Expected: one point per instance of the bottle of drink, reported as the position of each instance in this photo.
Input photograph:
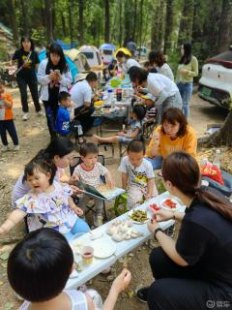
(109, 96)
(217, 158)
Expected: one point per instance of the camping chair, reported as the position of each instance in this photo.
(123, 146)
(75, 162)
(148, 128)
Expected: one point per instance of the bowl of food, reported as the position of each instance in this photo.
(170, 204)
(98, 104)
(153, 207)
(138, 216)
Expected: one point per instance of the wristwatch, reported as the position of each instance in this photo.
(156, 230)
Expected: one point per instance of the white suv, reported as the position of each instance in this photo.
(215, 84)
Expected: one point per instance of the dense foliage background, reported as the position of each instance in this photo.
(153, 23)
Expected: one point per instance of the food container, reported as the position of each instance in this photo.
(87, 255)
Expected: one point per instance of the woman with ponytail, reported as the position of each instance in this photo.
(195, 271)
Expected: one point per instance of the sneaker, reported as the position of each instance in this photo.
(142, 294)
(98, 221)
(16, 148)
(40, 113)
(25, 116)
(5, 148)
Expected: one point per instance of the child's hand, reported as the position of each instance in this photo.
(73, 179)
(76, 190)
(64, 178)
(110, 183)
(148, 196)
(122, 281)
(121, 133)
(78, 211)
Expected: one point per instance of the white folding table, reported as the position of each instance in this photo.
(122, 248)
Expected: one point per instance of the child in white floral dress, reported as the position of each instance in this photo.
(49, 200)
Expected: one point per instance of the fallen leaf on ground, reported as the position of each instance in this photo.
(4, 256)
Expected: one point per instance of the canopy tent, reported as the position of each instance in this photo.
(66, 46)
(79, 59)
(92, 54)
(107, 52)
(71, 64)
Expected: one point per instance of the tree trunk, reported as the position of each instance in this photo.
(13, 20)
(107, 21)
(63, 23)
(120, 23)
(70, 19)
(127, 21)
(221, 137)
(81, 21)
(25, 16)
(157, 37)
(135, 23)
(186, 24)
(49, 19)
(141, 22)
(169, 26)
(225, 33)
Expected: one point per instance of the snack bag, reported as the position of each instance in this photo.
(211, 171)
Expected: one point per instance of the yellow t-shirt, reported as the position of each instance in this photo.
(187, 143)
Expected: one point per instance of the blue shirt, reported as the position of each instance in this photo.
(62, 121)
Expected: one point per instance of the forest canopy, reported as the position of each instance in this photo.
(157, 24)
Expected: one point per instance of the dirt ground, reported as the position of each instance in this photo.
(33, 136)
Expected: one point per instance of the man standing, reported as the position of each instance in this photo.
(81, 95)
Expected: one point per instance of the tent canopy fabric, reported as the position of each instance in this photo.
(66, 46)
(107, 46)
(79, 59)
(92, 54)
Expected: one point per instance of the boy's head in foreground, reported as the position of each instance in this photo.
(39, 266)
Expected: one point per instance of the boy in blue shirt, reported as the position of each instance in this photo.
(64, 125)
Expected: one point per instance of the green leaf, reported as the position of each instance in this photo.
(8, 306)
(4, 256)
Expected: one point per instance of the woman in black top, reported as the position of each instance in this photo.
(194, 272)
(27, 60)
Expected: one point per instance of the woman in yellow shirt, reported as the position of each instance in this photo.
(173, 135)
(186, 71)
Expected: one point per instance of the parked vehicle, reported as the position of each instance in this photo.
(215, 84)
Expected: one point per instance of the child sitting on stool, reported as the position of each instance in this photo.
(90, 171)
(137, 175)
(64, 125)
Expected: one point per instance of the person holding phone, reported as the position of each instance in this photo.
(54, 77)
(27, 61)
